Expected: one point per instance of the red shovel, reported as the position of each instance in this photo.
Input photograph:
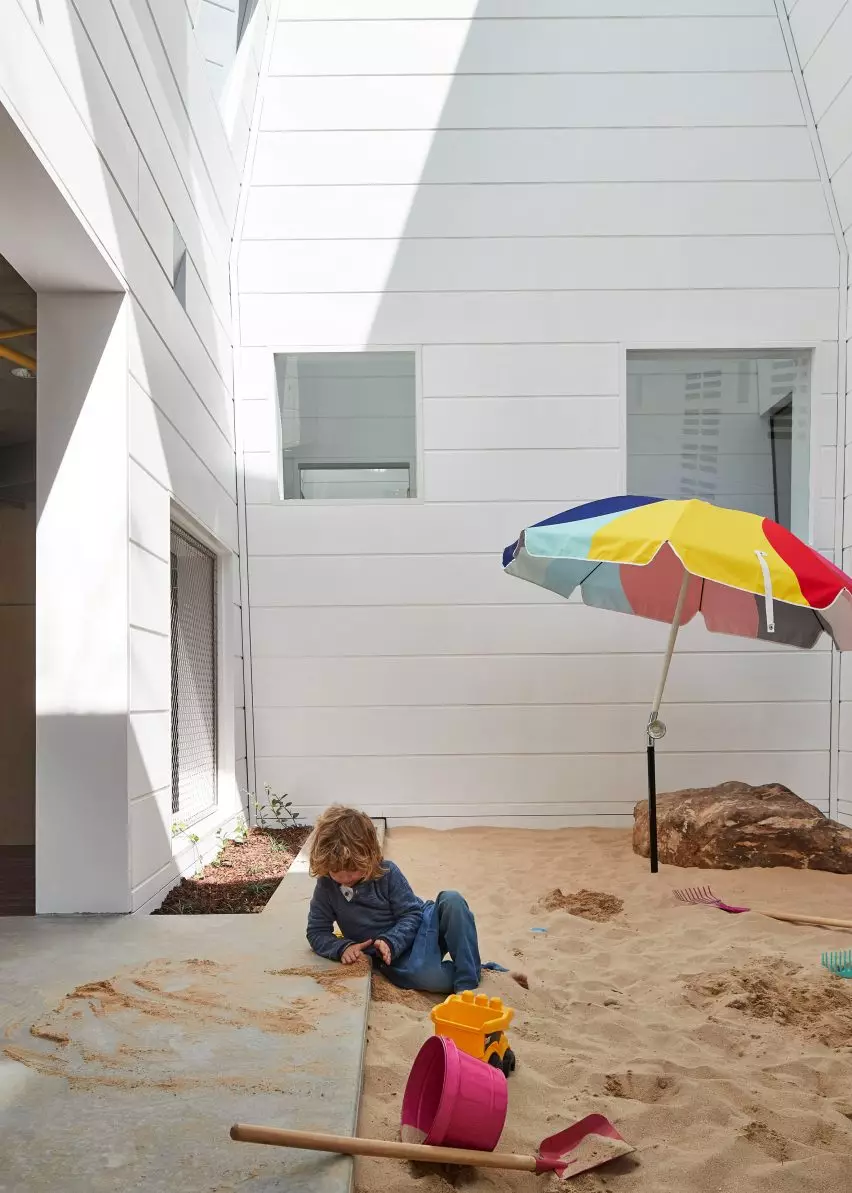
(587, 1144)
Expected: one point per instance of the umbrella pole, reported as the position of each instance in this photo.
(656, 728)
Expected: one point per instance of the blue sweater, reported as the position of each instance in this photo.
(383, 908)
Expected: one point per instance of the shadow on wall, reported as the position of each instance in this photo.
(103, 793)
(188, 436)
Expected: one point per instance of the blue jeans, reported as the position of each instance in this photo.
(447, 926)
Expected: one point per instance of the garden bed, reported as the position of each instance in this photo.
(243, 878)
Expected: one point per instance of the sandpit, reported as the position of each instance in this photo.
(716, 1043)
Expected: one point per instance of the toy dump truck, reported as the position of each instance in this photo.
(477, 1025)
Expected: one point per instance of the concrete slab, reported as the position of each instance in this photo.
(130, 1045)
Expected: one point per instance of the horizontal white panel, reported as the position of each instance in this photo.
(239, 733)
(158, 447)
(520, 370)
(635, 316)
(150, 835)
(563, 628)
(254, 374)
(829, 68)
(505, 781)
(580, 209)
(825, 420)
(810, 21)
(532, 101)
(150, 672)
(508, 679)
(834, 128)
(262, 477)
(149, 512)
(827, 472)
(521, 422)
(149, 753)
(822, 518)
(537, 263)
(556, 729)
(845, 723)
(533, 155)
(149, 591)
(519, 475)
(841, 185)
(519, 46)
(371, 10)
(387, 580)
(300, 529)
(204, 415)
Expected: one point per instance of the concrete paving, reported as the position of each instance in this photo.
(129, 1046)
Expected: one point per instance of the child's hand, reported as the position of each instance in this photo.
(352, 952)
(384, 951)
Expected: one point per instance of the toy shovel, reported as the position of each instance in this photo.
(587, 1144)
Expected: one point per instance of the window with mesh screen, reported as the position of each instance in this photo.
(194, 677)
(348, 425)
(732, 428)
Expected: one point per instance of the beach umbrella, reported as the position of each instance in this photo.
(670, 560)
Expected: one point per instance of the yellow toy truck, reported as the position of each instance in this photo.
(477, 1025)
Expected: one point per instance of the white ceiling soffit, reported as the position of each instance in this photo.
(40, 235)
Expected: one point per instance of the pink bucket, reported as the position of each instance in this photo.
(453, 1100)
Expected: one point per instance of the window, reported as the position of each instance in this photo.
(348, 425)
(244, 16)
(732, 428)
(179, 265)
(194, 677)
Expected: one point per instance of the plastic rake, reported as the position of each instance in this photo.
(838, 963)
(703, 895)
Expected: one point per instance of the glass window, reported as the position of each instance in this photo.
(348, 425)
(732, 428)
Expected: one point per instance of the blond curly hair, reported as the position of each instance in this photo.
(345, 839)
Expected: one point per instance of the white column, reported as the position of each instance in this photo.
(82, 605)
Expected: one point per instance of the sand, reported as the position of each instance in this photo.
(716, 1043)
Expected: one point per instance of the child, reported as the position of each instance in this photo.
(379, 914)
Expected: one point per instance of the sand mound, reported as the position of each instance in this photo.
(381, 990)
(819, 1006)
(591, 905)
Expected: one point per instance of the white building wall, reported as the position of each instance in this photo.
(115, 100)
(822, 30)
(521, 192)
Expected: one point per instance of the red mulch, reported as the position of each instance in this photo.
(242, 879)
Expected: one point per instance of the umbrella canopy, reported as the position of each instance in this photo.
(747, 575)
(670, 560)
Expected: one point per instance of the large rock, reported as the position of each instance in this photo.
(735, 825)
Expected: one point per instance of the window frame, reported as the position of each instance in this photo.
(226, 580)
(820, 361)
(351, 350)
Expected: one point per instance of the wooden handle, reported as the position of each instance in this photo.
(346, 1145)
(820, 921)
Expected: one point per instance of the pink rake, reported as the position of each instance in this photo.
(703, 894)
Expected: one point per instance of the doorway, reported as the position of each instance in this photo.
(17, 592)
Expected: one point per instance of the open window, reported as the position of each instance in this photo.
(348, 425)
(732, 428)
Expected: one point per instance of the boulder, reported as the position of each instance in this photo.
(736, 825)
